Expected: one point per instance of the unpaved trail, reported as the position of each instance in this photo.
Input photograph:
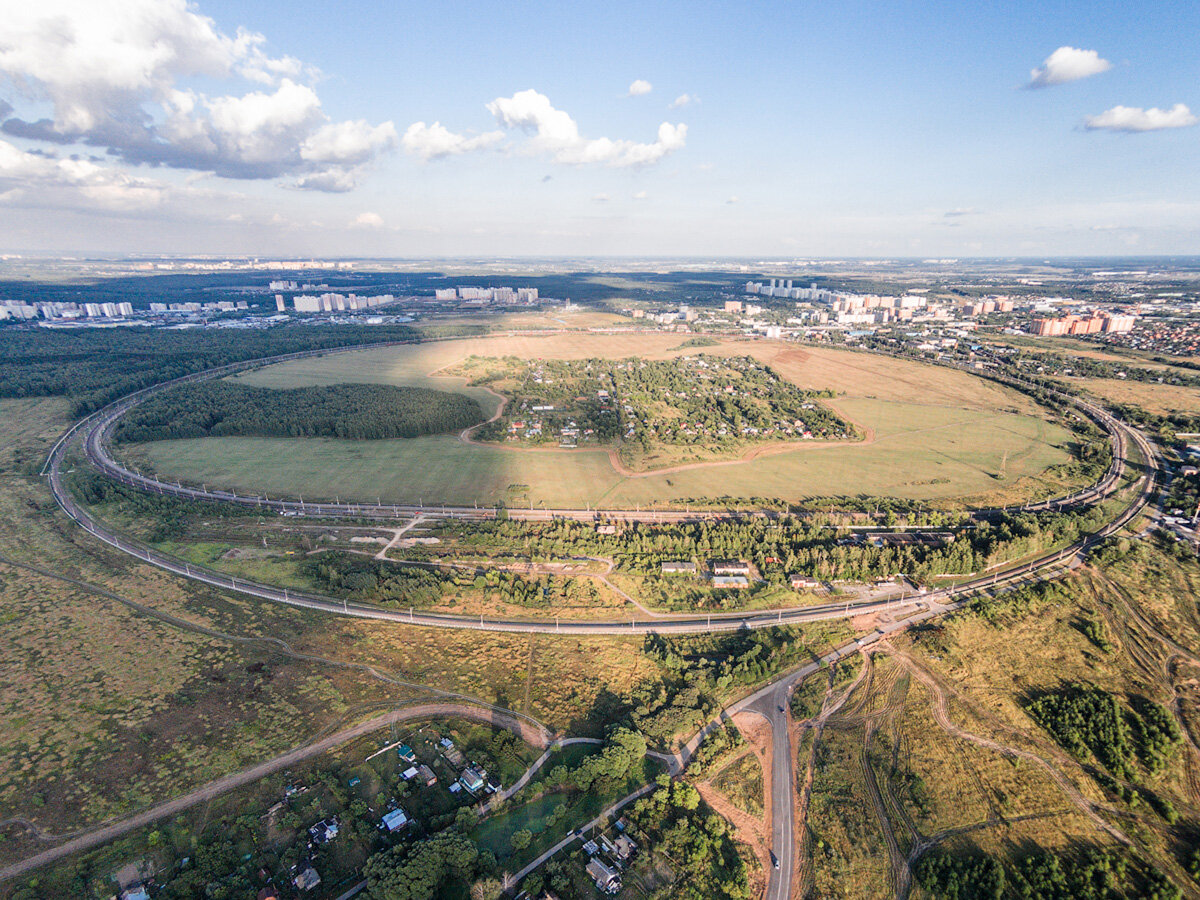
(749, 830)
(210, 791)
(397, 534)
(941, 715)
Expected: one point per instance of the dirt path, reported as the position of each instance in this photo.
(757, 733)
(397, 534)
(157, 813)
(900, 874)
(749, 830)
(941, 715)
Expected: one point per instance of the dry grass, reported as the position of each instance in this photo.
(937, 434)
(1160, 399)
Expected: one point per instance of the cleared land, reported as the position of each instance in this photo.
(932, 434)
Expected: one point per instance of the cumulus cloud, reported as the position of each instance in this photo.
(1136, 119)
(640, 87)
(1067, 64)
(600, 198)
(960, 211)
(734, 199)
(682, 100)
(116, 74)
(81, 181)
(368, 220)
(436, 141)
(555, 133)
(641, 195)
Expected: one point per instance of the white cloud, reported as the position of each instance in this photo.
(1136, 119)
(600, 198)
(348, 143)
(80, 182)
(1067, 64)
(556, 133)
(640, 87)
(682, 100)
(641, 195)
(116, 74)
(367, 220)
(436, 141)
(734, 199)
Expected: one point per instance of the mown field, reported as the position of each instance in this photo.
(932, 434)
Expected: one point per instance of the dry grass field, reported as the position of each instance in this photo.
(104, 708)
(932, 434)
(934, 746)
(1160, 399)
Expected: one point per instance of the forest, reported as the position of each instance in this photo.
(350, 411)
(94, 366)
(1092, 874)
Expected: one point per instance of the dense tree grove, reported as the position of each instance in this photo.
(350, 575)
(424, 870)
(94, 366)
(352, 411)
(699, 843)
(697, 671)
(1091, 874)
(1084, 718)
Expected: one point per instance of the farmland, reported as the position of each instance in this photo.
(931, 434)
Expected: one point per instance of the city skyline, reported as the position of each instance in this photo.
(159, 126)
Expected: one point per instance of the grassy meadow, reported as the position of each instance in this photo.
(932, 434)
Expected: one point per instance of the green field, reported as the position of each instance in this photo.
(932, 434)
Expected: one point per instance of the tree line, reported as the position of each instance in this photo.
(789, 544)
(351, 411)
(1091, 874)
(94, 366)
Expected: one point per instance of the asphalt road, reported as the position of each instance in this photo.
(771, 701)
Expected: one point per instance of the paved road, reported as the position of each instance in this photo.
(771, 700)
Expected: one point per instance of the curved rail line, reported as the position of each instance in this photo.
(96, 428)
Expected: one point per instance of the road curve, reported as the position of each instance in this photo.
(157, 813)
(95, 429)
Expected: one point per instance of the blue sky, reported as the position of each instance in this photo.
(881, 129)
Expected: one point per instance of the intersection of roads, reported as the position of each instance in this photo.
(771, 701)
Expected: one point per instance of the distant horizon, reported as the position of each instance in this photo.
(869, 130)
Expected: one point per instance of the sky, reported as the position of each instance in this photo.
(771, 129)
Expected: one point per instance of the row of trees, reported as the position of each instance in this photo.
(352, 411)
(791, 544)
